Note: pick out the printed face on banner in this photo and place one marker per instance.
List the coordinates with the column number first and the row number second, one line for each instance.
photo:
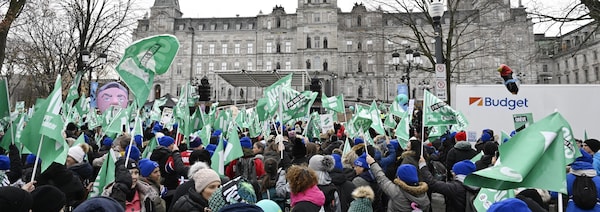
column 112, row 93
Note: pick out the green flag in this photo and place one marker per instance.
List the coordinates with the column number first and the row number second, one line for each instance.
column 335, row 103
column 218, row 159
column 376, row 123
column 389, row 121
column 4, row 99
column 155, row 114
column 13, row 134
column 281, row 87
column 461, row 122
column 197, row 119
column 486, row 197
column 222, row 120
column 73, row 93
column 205, row 134
column 119, row 121
column 233, row 150
column 46, row 126
column 402, row 130
column 347, row 147
column 536, row 157
column 105, row 176
column 361, row 120
column 504, row 137
column 298, row 106
column 255, row 128
column 143, row 59
column 395, row 108
column 477, row 157
column 242, row 119
column 437, row 131
column 436, row 111
column 152, row 144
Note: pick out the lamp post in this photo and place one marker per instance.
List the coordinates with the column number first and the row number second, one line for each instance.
column 86, row 59
column 436, row 11
column 412, row 58
column 395, row 62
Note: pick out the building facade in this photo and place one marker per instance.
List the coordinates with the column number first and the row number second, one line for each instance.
column 571, row 58
column 350, row 51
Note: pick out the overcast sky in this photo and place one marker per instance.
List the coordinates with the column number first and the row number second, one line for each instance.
column 249, row 8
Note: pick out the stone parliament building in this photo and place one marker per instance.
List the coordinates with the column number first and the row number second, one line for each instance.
column 351, row 52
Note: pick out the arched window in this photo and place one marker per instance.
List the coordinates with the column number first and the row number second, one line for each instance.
column 317, row 42
column 278, row 47
column 229, row 93
column 278, row 66
column 278, row 22
column 359, row 66
column 325, row 42
column 359, row 20
column 359, row 46
column 157, row 91
column 325, row 65
column 241, row 93
column 360, row 91
column 308, row 42
column 308, row 64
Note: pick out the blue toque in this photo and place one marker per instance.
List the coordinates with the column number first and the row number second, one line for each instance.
column 338, row 162
column 211, row 148
column 31, row 159
column 510, row 205
column 408, row 174
column 246, row 142
column 196, row 142
column 166, row 141
column 147, row 167
column 485, row 137
column 4, row 162
column 134, row 154
column 217, row 133
column 157, row 127
column 358, row 141
column 138, row 139
column 465, row 167
column 107, row 141
column 362, row 161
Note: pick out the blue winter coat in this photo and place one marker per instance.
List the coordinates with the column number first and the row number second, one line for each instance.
column 578, row 168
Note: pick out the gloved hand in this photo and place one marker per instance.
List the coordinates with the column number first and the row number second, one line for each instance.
column 122, row 175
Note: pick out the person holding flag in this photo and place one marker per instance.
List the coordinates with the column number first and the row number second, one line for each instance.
column 171, row 166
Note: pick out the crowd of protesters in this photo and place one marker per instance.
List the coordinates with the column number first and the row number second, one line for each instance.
column 283, row 171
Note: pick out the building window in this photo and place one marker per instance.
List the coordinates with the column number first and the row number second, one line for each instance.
column 223, row 66
column 308, row 64
column 238, row 26
column 288, row 47
column 317, row 42
column 584, row 58
column 568, row 79
column 199, row 49
column 268, row 66
column 325, row 65
column 236, row 65
column 268, row 24
column 237, row 48
column 370, row 65
column 349, row 64
column 349, row 45
column 544, row 68
column 225, row 26
column 390, row 45
column 269, row 47
column 595, row 55
column 576, row 77
column 278, row 22
column 213, row 27
column 198, row 68
column 250, row 26
column 360, row 91
column 359, row 46
column 597, row 73
column 201, row 27
column 278, row 48
column 178, row 69
column 178, row 89
column 586, row 76
column 575, row 61
column 358, row 21
column 211, row 66
column 211, row 49
column 567, row 64
column 288, row 65
column 249, row 65
column 250, row 48
column 224, row 49
column 308, row 42
column 369, row 45
column 325, row 42
column 317, row 17
column 278, row 66
column 157, row 91
column 359, row 66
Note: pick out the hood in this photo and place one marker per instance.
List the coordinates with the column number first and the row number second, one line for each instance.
column 416, row 194
column 463, row 145
column 312, row 194
column 159, row 153
column 337, row 177
column 84, row 170
column 323, row 177
column 368, row 176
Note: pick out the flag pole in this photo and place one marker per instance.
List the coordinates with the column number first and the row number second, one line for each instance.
column 12, row 133
column 128, row 153
column 422, row 124
column 560, row 202
column 37, row 159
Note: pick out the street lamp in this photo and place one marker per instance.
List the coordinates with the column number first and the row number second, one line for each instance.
column 436, row 11
column 412, row 58
column 86, row 59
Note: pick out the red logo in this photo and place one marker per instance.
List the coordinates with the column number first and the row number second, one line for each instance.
column 472, row 100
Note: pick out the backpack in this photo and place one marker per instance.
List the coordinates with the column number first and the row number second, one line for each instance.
column 470, row 196
column 331, row 198
column 585, row 194
column 438, row 171
column 245, row 168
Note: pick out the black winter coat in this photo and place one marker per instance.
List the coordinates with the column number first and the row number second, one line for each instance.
column 171, row 175
column 344, row 187
column 454, row 191
column 192, row 201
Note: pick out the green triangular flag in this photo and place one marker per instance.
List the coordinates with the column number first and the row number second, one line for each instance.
column 218, row 159
column 233, row 150
column 105, row 176
column 437, row 112
column 152, row 144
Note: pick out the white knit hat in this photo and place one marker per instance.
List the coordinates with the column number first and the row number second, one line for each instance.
column 204, row 177
column 77, row 153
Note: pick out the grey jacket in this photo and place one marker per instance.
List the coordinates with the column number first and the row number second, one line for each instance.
column 400, row 194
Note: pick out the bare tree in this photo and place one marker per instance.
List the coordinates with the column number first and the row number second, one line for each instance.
column 52, row 35
column 477, row 35
column 14, row 10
